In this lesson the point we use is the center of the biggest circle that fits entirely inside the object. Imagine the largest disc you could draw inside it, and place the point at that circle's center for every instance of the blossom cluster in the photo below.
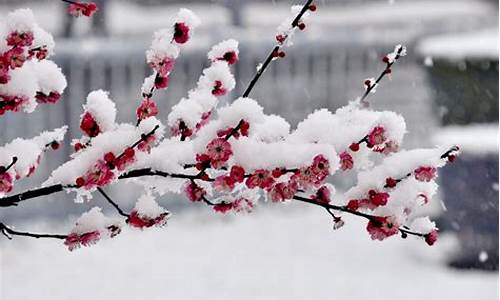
(27, 77)
(193, 112)
(161, 57)
(21, 157)
(288, 26)
(91, 227)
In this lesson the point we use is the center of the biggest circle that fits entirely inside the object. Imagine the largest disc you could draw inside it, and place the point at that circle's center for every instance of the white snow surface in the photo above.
(474, 139)
(262, 255)
(470, 45)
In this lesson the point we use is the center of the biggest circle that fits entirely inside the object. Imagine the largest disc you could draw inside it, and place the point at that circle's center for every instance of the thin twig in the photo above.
(7, 231)
(120, 211)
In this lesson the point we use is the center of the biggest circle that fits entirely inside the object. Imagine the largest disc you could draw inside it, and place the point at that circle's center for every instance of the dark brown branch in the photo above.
(386, 71)
(8, 232)
(4, 169)
(276, 48)
(113, 203)
(329, 207)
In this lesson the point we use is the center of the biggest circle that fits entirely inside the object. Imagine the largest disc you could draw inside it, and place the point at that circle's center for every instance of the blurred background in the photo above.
(446, 89)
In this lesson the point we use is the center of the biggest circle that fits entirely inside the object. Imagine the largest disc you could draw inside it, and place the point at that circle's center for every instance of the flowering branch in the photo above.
(345, 209)
(389, 60)
(275, 52)
(249, 154)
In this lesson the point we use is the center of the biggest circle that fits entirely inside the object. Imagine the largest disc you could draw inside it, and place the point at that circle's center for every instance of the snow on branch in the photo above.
(228, 157)
(27, 77)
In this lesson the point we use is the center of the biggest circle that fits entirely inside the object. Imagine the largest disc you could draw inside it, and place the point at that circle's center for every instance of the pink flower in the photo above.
(161, 82)
(5, 182)
(322, 195)
(223, 207)
(194, 192)
(243, 205)
(12, 103)
(40, 53)
(230, 57)
(387, 148)
(20, 39)
(205, 117)
(162, 65)
(320, 168)
(218, 89)
(281, 38)
(100, 175)
(283, 191)
(376, 136)
(147, 109)
(381, 228)
(346, 161)
(52, 97)
(15, 57)
(260, 178)
(244, 127)
(181, 33)
(425, 173)
(75, 240)
(181, 129)
(82, 9)
(122, 161)
(219, 151)
(203, 161)
(145, 144)
(390, 182)
(237, 173)
(378, 199)
(354, 147)
(224, 184)
(89, 125)
(139, 221)
(431, 237)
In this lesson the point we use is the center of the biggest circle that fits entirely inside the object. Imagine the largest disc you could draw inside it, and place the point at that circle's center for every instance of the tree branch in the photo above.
(120, 211)
(329, 207)
(276, 48)
(8, 232)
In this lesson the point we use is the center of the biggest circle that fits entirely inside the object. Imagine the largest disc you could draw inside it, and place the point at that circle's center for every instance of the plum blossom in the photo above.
(346, 161)
(78, 9)
(74, 240)
(194, 192)
(381, 228)
(141, 221)
(283, 191)
(6, 184)
(425, 173)
(431, 237)
(89, 125)
(322, 195)
(218, 151)
(376, 136)
(147, 109)
(223, 207)
(260, 178)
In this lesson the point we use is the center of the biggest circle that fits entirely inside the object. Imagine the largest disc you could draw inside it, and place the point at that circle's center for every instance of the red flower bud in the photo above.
(54, 145)
(354, 147)
(80, 182)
